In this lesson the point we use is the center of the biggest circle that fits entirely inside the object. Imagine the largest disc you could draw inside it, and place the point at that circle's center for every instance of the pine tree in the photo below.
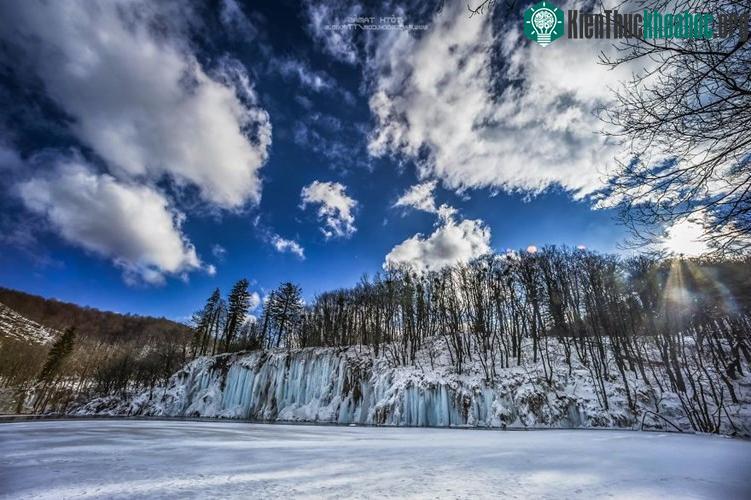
(237, 311)
(60, 350)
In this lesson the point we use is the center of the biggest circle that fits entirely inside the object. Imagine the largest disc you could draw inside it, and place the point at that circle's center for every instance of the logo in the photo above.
(543, 23)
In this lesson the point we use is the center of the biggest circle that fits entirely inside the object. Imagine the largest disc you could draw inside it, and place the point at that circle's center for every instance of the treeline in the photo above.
(225, 326)
(89, 322)
(680, 325)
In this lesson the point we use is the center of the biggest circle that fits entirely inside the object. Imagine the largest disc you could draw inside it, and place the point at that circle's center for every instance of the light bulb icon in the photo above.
(543, 22)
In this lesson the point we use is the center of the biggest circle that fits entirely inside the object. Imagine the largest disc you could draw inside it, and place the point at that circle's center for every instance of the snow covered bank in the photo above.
(126, 459)
(350, 386)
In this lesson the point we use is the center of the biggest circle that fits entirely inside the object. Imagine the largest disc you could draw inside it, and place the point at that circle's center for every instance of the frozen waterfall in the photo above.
(317, 385)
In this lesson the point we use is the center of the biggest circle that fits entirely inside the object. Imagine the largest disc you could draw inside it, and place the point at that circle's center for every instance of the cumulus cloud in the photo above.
(139, 97)
(437, 100)
(283, 245)
(449, 244)
(335, 207)
(131, 224)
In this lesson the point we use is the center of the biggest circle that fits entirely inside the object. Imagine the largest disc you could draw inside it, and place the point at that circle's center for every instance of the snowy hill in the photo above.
(17, 327)
(351, 386)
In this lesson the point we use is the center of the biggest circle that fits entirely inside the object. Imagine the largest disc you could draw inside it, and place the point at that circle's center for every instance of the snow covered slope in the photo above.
(15, 326)
(351, 386)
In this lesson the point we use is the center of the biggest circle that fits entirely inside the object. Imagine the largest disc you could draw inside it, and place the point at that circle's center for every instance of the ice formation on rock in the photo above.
(353, 386)
(344, 386)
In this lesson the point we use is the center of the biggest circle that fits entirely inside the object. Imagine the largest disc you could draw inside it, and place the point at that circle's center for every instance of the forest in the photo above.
(679, 324)
(94, 349)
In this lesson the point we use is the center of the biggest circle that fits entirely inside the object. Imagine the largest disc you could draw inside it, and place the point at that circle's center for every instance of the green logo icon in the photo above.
(543, 23)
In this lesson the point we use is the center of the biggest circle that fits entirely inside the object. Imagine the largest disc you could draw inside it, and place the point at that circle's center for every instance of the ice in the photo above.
(319, 385)
(177, 459)
(344, 386)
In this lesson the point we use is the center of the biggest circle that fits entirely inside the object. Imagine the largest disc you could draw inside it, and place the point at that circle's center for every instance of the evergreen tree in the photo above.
(60, 350)
(237, 311)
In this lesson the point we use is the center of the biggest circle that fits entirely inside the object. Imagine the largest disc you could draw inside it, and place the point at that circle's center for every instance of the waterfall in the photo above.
(319, 385)
(339, 386)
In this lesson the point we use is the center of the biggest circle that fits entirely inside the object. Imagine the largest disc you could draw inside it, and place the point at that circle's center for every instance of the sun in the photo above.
(685, 238)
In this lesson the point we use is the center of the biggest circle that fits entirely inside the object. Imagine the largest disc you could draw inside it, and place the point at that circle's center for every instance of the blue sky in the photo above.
(256, 141)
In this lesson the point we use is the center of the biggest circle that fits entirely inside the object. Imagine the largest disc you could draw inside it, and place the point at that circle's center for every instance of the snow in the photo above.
(351, 386)
(17, 327)
(188, 459)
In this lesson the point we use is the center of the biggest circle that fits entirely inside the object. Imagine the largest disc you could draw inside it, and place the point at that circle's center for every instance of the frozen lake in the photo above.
(179, 459)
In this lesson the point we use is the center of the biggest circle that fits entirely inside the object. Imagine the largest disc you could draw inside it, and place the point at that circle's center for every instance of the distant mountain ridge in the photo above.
(52, 315)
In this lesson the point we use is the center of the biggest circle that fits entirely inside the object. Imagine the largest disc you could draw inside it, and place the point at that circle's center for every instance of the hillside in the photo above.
(92, 323)
(109, 350)
(17, 327)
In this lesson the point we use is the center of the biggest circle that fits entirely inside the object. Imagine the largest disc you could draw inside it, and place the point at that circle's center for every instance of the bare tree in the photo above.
(685, 119)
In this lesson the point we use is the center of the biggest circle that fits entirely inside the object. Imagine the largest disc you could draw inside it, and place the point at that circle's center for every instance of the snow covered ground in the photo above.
(183, 459)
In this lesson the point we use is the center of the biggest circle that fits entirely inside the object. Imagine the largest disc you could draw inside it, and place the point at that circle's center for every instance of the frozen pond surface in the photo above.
(174, 459)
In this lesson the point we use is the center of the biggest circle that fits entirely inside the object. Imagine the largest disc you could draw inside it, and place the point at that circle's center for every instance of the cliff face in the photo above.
(351, 386)
(348, 386)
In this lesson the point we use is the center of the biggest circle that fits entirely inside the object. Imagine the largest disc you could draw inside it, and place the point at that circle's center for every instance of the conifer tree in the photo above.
(60, 350)
(237, 311)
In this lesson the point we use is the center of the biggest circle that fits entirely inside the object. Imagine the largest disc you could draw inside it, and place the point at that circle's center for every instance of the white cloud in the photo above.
(283, 245)
(235, 21)
(218, 251)
(133, 225)
(337, 43)
(434, 100)
(335, 208)
(318, 81)
(419, 196)
(255, 301)
(449, 244)
(140, 98)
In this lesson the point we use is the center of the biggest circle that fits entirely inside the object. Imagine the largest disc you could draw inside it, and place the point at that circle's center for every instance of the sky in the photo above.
(151, 152)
